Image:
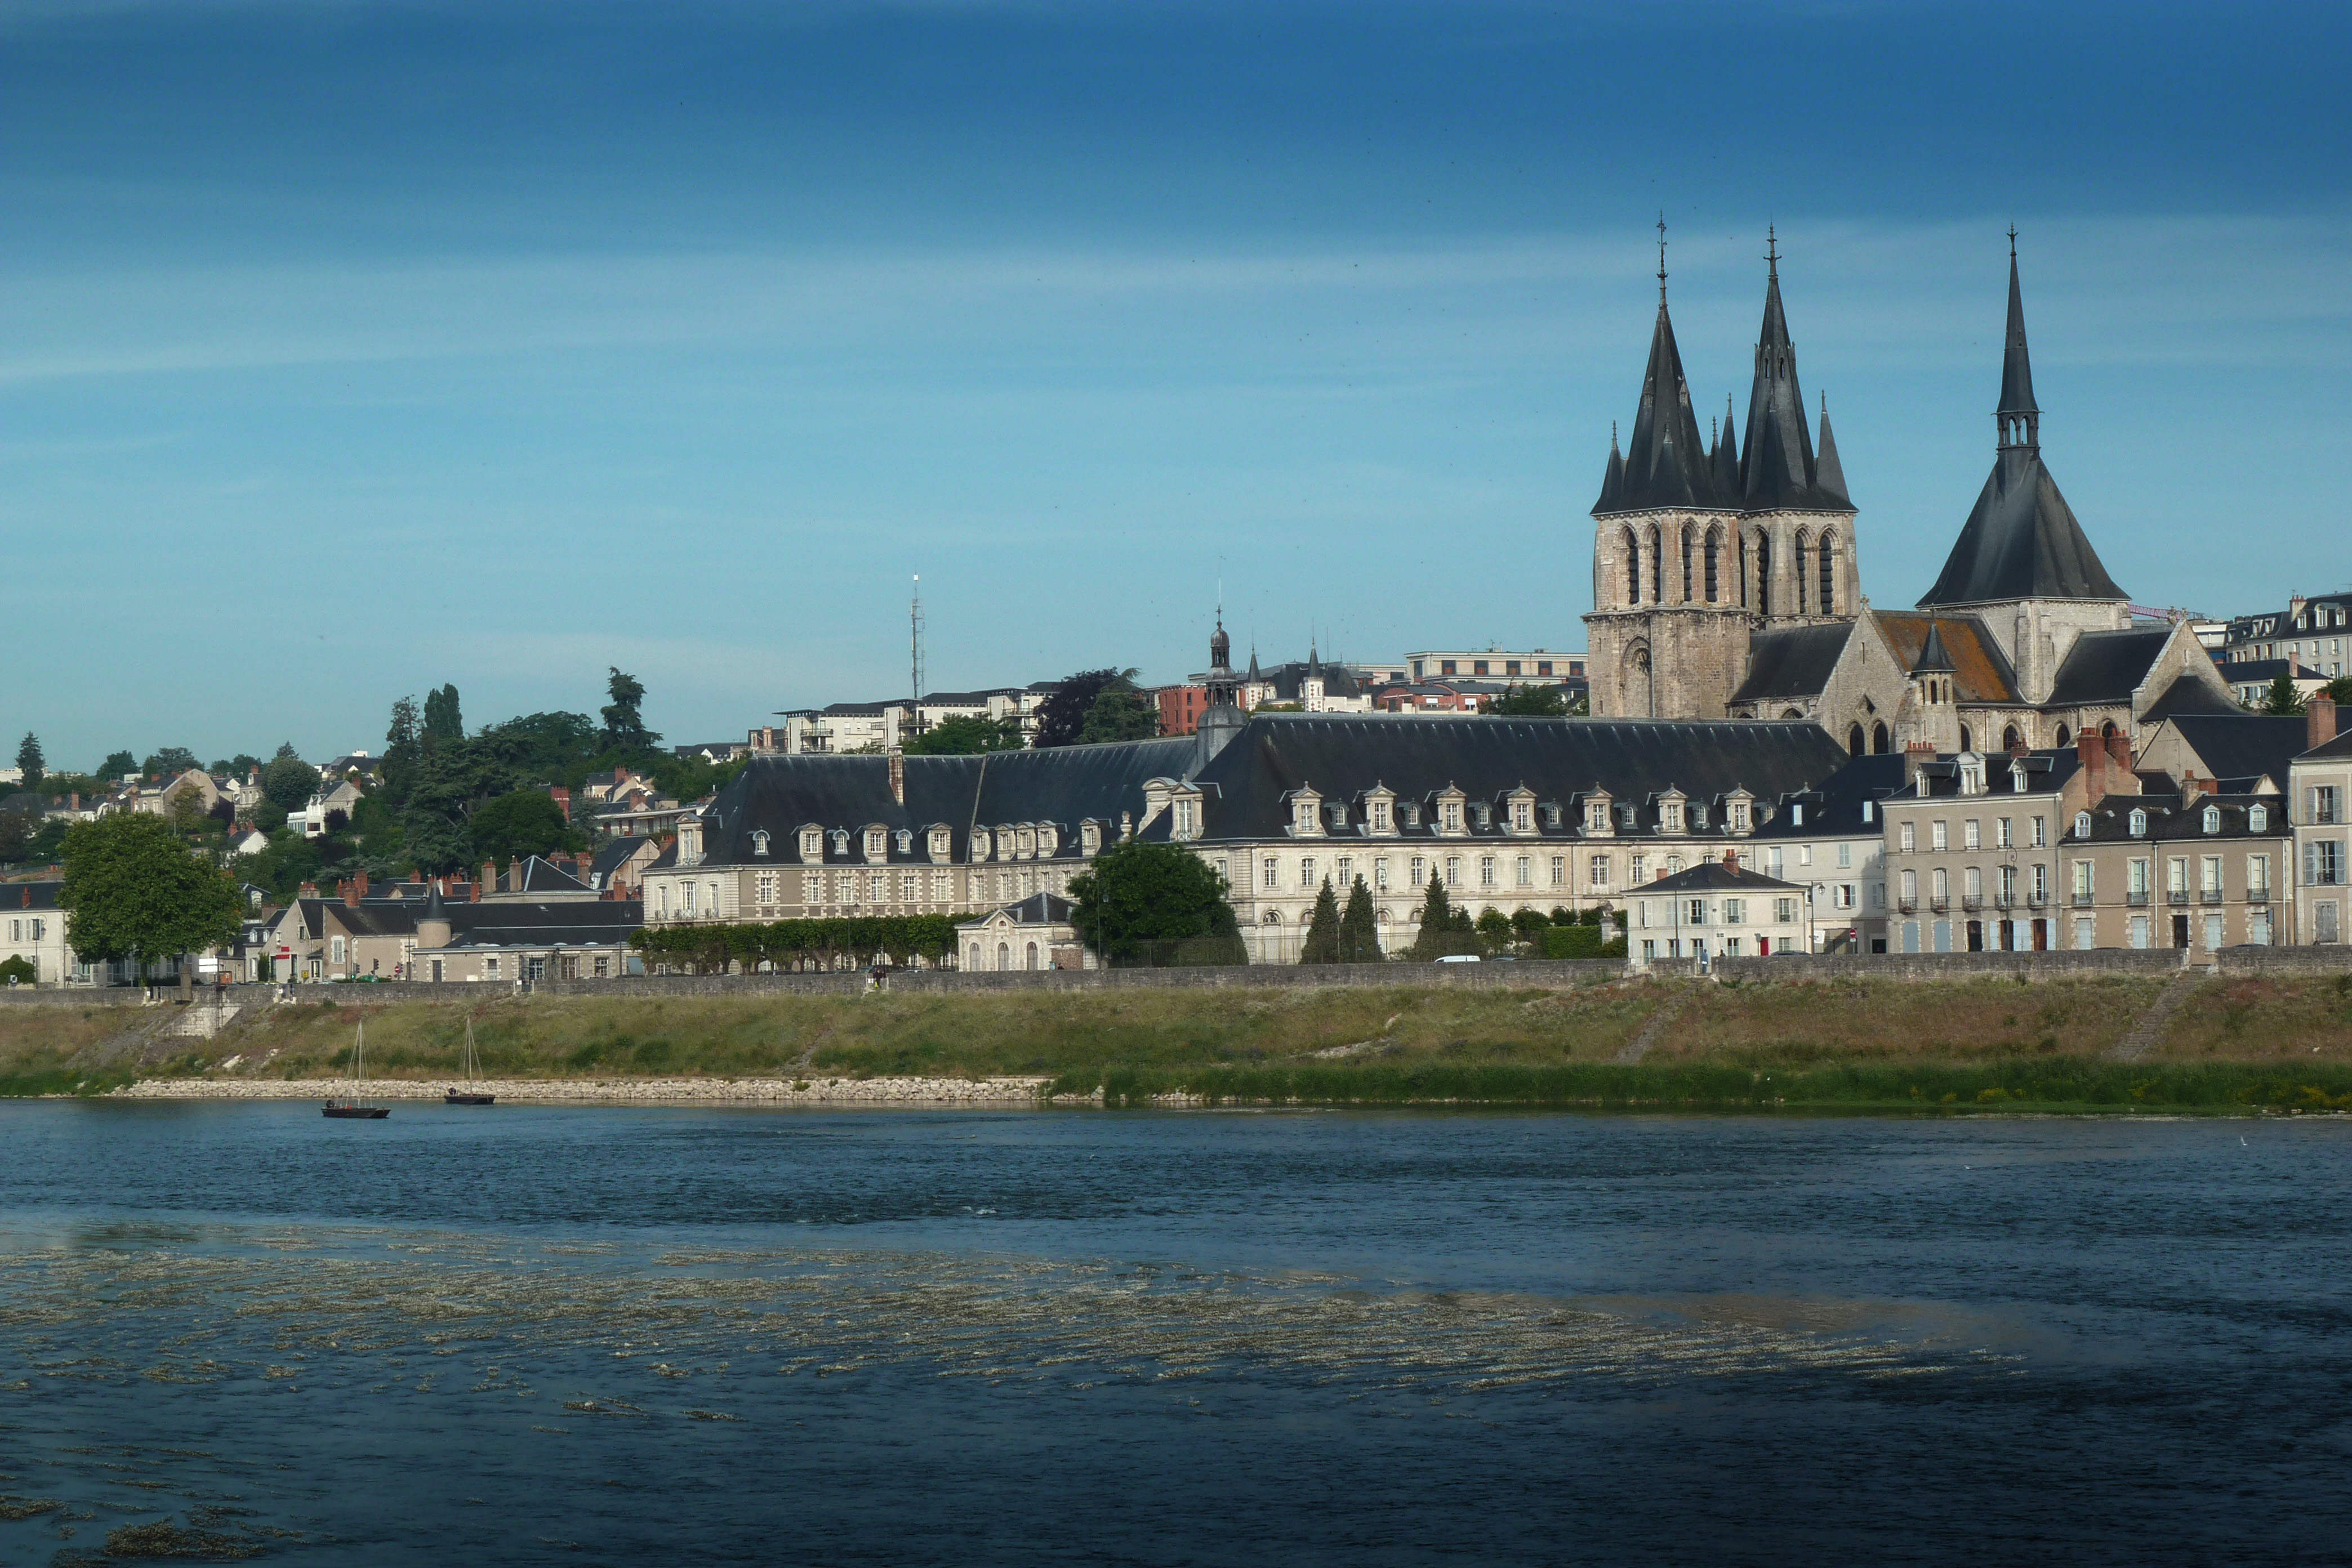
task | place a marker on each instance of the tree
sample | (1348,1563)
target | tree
(169,762)
(117,765)
(522,823)
(1120,713)
(1527,923)
(1322,943)
(223,812)
(1494,926)
(2338,691)
(16,829)
(1140,892)
(1443,928)
(1062,717)
(29,760)
(1360,936)
(133,891)
(49,840)
(625,725)
(1530,703)
(2282,700)
(442,719)
(289,782)
(963,734)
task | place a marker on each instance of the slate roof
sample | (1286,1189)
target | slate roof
(2325,752)
(1709,874)
(534,875)
(2189,696)
(1037,910)
(43,895)
(614,856)
(596,922)
(1287,679)
(1794,662)
(1835,805)
(1980,668)
(2107,667)
(2045,771)
(2168,820)
(1247,785)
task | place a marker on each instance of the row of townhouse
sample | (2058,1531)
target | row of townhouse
(537,920)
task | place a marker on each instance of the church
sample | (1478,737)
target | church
(1727,582)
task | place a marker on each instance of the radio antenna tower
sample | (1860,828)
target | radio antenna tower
(915,635)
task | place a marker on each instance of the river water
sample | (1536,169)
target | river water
(529,1334)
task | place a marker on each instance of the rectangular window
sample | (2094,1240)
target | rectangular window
(1972,881)
(1522,872)
(2323,804)
(2323,863)
(1345,872)
(2213,933)
(767,892)
(1772,867)
(1784,910)
(1845,857)
(2041,885)
(1306,872)
(2000,835)
(2041,833)
(687,892)
(1597,874)
(1906,838)
(1419,870)
(1640,869)
(1734,911)
(1272,872)
(2084,933)
(2258,874)
(2135,878)
(1452,870)
(603,968)
(1938,838)
(335,949)
(2176,874)
(1910,886)
(1804,854)
(910,886)
(1697,915)
(2210,879)
(1943,887)
(1971,838)
(2258,928)
(2139,931)
(1649,948)
(1559,870)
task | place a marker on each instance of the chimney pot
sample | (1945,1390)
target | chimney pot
(2119,759)
(349,890)
(474,893)
(2318,721)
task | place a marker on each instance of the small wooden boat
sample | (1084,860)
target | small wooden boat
(354,1108)
(472,1068)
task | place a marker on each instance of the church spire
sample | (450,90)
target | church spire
(2016,403)
(1829,474)
(1665,462)
(1777,469)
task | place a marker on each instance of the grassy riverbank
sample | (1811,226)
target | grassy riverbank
(2283,1043)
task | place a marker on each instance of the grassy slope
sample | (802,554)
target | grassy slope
(1875,1043)
(37,1042)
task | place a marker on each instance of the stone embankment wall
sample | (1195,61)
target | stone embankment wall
(812,1090)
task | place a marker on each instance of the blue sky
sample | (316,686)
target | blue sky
(348,348)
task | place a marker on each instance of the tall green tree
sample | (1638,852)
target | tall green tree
(443,722)
(625,724)
(1140,892)
(2282,700)
(29,760)
(1062,717)
(169,762)
(289,782)
(2340,691)
(965,735)
(522,822)
(116,766)
(1443,927)
(132,891)
(1530,703)
(1360,934)
(1322,943)
(403,748)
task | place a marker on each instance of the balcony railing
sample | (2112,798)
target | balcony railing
(2004,900)
(1940,904)
(1908,906)
(2085,901)
(2176,896)
(1971,900)
(2209,896)
(2035,900)
(2137,900)
(2258,895)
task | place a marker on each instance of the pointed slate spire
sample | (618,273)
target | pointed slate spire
(1727,456)
(1612,478)
(1777,471)
(1933,659)
(2016,366)
(1253,670)
(2021,541)
(1829,474)
(1666,458)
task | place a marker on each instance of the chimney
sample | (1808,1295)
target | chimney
(307,890)
(474,893)
(2318,721)
(489,874)
(349,891)
(362,881)
(562,796)
(2119,758)
(28,901)
(1731,860)
(73,800)
(2094,759)
(899,777)
(1917,753)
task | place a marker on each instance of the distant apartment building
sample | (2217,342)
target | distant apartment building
(1492,664)
(2315,632)
(2320,787)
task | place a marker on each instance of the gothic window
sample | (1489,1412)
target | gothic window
(2011,740)
(1657,567)
(1633,569)
(1688,594)
(1967,743)
(1878,740)
(1714,558)
(1854,741)
(1799,573)
(2064,739)
(1763,573)
(1829,578)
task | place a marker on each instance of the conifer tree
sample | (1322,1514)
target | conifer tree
(1322,945)
(1436,920)
(1360,938)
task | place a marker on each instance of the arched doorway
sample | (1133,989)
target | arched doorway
(1032,962)
(1639,697)
(972,961)
(1003,956)
(1878,740)
(1854,741)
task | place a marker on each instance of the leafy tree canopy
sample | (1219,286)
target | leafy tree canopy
(524,822)
(1120,713)
(16,830)
(30,762)
(625,724)
(1530,703)
(117,763)
(442,719)
(963,736)
(132,891)
(1062,717)
(2340,691)
(49,840)
(289,782)
(170,761)
(1137,892)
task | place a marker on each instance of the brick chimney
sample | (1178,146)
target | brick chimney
(2119,756)
(307,890)
(27,900)
(2318,721)
(1731,860)
(362,893)
(2092,756)
(1917,753)
(899,777)
(562,796)
(472,892)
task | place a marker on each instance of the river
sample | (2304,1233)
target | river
(592,1334)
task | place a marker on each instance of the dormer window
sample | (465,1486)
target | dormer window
(1482,817)
(2212,819)
(759,841)
(811,844)
(841,841)
(1453,809)
(1339,810)
(1626,815)
(1796,814)
(1697,815)
(2017,781)
(2082,824)
(1182,823)
(978,844)
(1596,815)
(906,841)
(2139,824)
(1870,811)
(1049,837)
(1551,816)
(1739,816)
(2258,818)
(1302,816)
(1379,814)
(878,844)
(940,843)
(1411,813)
(1670,815)
(1090,838)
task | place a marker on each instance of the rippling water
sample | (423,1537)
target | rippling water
(532,1334)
